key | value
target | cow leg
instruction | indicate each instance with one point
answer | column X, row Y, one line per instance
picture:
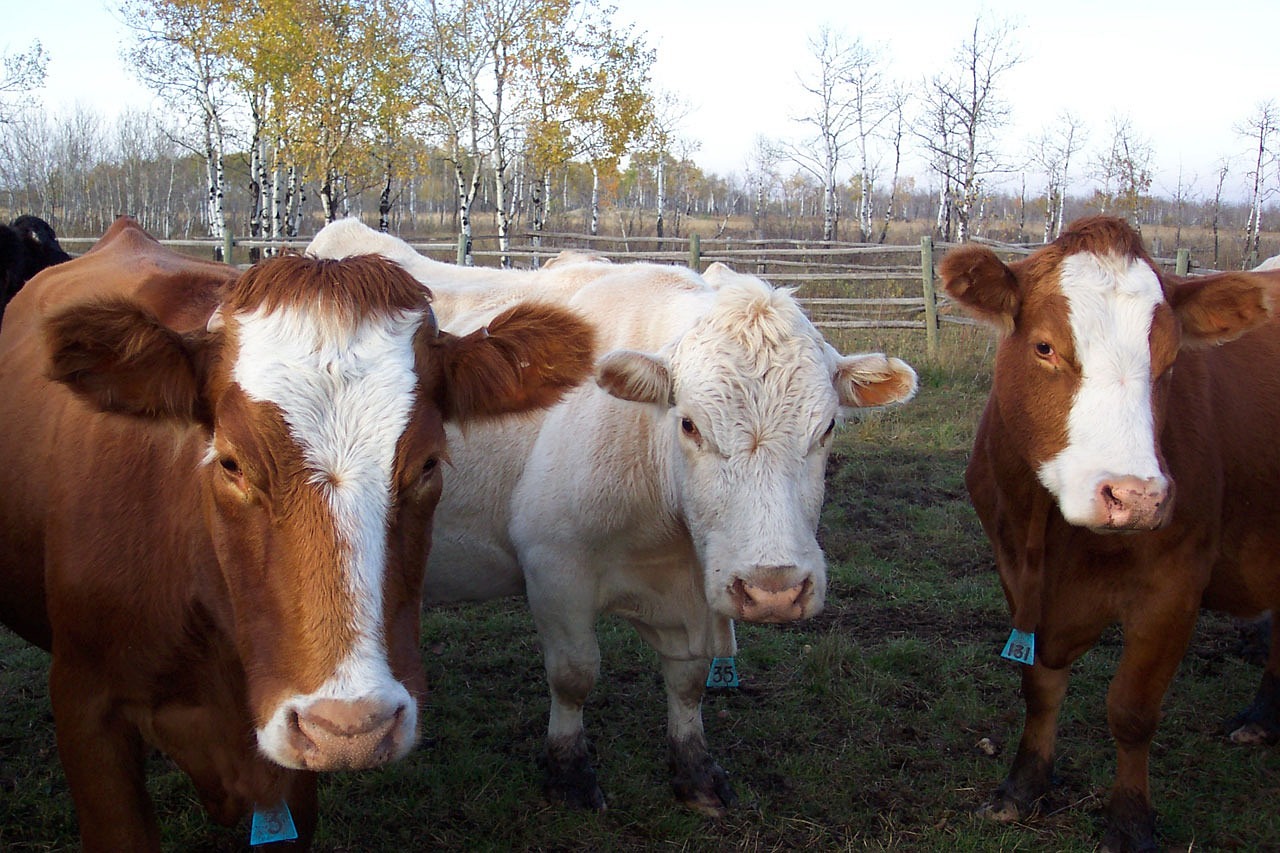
column 572, row 658
column 699, row 782
column 1154, row 645
column 1031, row 774
column 1260, row 722
column 104, row 759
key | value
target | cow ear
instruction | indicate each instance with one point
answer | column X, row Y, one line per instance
column 1219, row 308
column 873, row 379
column 636, row 377
column 982, row 283
column 121, row 358
column 525, row 359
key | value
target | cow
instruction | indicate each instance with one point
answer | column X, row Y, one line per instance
column 1122, row 470
column 27, row 245
column 216, row 493
column 680, row 491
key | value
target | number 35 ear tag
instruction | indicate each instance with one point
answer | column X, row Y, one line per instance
column 1021, row 647
column 724, row 673
column 271, row 825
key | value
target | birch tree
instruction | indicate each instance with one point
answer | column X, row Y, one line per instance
column 1053, row 151
column 177, row 54
column 1260, row 129
column 963, row 115
column 834, row 120
column 1123, row 171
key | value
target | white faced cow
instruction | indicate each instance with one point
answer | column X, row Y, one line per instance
column 680, row 491
column 1125, row 471
column 216, row 493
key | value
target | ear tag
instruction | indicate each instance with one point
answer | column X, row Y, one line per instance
column 724, row 673
column 271, row 825
column 1021, row 647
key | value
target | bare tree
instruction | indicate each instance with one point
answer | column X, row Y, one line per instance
column 1053, row 151
column 833, row 124
column 1223, row 169
column 175, row 53
column 19, row 74
column 894, row 133
column 1123, row 172
column 962, row 115
column 1260, row 129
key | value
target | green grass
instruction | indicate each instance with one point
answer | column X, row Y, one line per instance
column 858, row 730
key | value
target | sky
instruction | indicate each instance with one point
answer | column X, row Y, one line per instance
column 1184, row 73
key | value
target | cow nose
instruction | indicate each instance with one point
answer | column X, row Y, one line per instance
column 337, row 734
column 772, row 595
column 1133, row 503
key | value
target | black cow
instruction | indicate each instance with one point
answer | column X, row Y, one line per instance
column 27, row 245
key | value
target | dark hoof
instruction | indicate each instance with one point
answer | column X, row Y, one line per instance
column 1131, row 825
column 699, row 783
column 1004, row 810
column 569, row 777
column 1260, row 722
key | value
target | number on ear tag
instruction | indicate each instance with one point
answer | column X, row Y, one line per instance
column 1021, row 647
column 271, row 825
column 724, row 673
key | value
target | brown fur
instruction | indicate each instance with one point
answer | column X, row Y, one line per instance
column 181, row 597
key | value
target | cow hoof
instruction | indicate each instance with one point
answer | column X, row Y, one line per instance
column 570, row 778
column 1254, row 734
column 699, row 783
column 1131, row 824
column 1002, row 810
column 713, row 797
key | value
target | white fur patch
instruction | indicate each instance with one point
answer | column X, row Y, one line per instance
column 346, row 395
column 1110, row 431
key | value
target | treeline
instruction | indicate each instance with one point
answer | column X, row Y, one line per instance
column 535, row 114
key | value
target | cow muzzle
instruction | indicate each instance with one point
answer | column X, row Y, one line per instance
column 773, row 596
column 340, row 734
column 1131, row 504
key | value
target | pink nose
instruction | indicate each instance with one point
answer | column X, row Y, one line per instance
column 1132, row 503
column 773, row 598
column 334, row 734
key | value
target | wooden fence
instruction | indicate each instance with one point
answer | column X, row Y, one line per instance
column 841, row 285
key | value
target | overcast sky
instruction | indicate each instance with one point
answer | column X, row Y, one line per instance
column 1184, row 72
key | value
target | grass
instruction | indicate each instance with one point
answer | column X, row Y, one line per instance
column 882, row 724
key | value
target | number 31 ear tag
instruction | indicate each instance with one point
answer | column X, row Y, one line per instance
column 271, row 825
column 1021, row 647
column 724, row 673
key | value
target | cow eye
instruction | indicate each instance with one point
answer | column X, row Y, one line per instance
column 230, row 465
column 429, row 467
column 689, row 428
column 831, row 427
column 1044, row 349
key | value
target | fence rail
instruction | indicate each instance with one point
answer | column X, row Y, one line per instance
column 815, row 269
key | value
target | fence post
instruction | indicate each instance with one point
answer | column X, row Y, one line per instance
column 1184, row 262
column 228, row 240
column 462, row 249
column 930, row 297
column 695, row 253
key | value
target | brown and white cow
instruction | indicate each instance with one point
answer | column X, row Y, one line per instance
column 216, row 493
column 1124, row 470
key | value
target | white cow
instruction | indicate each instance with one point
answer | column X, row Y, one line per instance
column 680, row 491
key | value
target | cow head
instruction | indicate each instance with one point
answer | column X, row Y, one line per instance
column 1091, row 332
column 752, row 394
column 321, row 390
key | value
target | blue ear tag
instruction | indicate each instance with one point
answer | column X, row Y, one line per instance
column 1021, row 647
column 271, row 825
column 724, row 673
